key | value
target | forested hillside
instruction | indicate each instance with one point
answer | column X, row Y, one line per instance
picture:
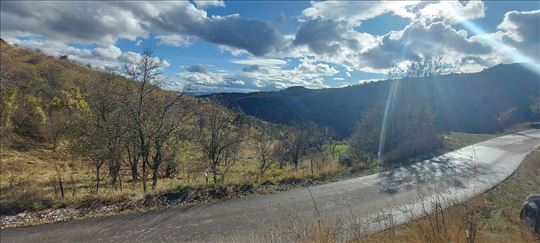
column 482, row 102
column 76, row 137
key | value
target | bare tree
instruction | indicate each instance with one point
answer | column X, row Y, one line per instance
column 219, row 138
column 155, row 114
column 295, row 142
column 263, row 146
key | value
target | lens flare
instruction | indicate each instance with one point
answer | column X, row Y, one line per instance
column 507, row 51
column 390, row 100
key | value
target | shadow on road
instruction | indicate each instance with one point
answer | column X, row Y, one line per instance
column 443, row 170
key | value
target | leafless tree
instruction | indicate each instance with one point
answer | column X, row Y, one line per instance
column 264, row 147
column 219, row 139
column 155, row 114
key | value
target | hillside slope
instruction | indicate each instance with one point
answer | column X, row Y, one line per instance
column 470, row 102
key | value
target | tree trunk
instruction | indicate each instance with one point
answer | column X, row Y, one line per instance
column 97, row 177
column 311, row 164
column 214, row 173
column 134, row 173
column 154, row 178
column 61, row 184
column 144, row 172
column 133, row 162
column 155, row 167
column 59, row 178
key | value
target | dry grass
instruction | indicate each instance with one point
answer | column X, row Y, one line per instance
column 29, row 182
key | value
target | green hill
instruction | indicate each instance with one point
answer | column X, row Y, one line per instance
column 483, row 102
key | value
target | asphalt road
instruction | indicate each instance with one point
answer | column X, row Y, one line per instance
column 361, row 204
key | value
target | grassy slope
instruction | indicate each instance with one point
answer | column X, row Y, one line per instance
column 28, row 176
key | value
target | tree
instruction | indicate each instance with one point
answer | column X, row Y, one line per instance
column 296, row 146
column 292, row 145
column 219, row 139
column 364, row 142
column 404, row 125
column 316, row 140
column 62, row 110
column 155, row 115
column 264, row 147
column 98, row 136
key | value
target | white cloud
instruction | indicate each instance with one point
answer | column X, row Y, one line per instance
column 326, row 38
column 260, row 61
column 203, row 4
column 452, row 11
column 175, row 40
column 522, row 30
column 202, row 78
column 310, row 69
column 271, row 75
column 104, row 23
column 239, row 82
column 363, row 81
column 356, row 11
column 421, row 40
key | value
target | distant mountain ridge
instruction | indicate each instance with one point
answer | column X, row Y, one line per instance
column 469, row 102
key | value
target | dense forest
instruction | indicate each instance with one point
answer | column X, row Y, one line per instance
column 483, row 102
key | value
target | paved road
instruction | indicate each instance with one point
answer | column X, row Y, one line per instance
column 361, row 204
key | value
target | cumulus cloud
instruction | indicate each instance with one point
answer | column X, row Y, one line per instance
column 202, row 4
column 452, row 11
column 104, row 23
column 99, row 57
column 202, row 78
column 421, row 40
column 357, row 11
column 260, row 61
column 308, row 73
column 327, row 37
column 330, row 37
column 328, row 30
column 198, row 68
column 522, row 30
column 175, row 40
column 131, row 58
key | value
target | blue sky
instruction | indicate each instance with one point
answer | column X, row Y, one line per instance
column 243, row 46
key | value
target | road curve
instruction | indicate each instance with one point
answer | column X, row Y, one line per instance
column 393, row 196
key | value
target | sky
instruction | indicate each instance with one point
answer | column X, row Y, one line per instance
column 245, row 46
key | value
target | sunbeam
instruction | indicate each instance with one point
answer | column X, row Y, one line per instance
column 390, row 104
column 501, row 48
